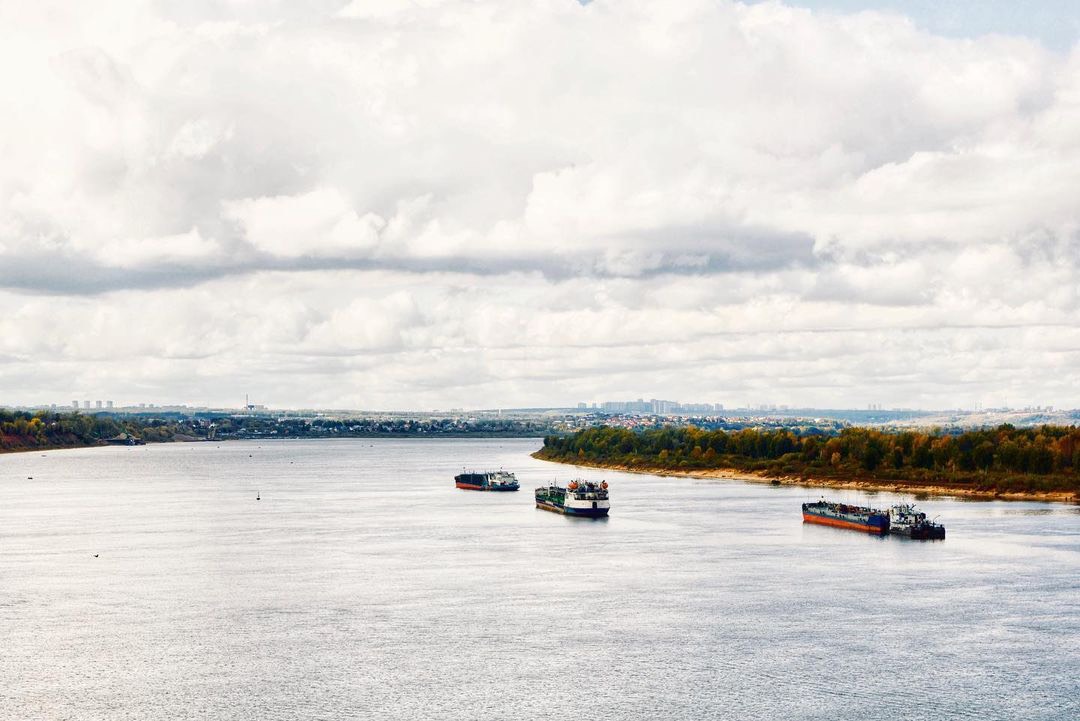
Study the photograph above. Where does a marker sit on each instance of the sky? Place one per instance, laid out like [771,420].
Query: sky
[418,204]
[1055,23]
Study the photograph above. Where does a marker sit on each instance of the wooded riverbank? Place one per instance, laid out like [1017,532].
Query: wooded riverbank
[733,474]
[1004,463]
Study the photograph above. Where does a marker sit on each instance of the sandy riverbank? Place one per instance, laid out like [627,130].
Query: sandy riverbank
[857,485]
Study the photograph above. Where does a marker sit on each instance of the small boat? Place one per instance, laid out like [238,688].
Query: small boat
[843,515]
[905,520]
[489,481]
[579,498]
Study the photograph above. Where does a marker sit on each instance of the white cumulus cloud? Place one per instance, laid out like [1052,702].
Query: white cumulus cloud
[471,202]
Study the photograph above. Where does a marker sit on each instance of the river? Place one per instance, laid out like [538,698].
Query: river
[149,583]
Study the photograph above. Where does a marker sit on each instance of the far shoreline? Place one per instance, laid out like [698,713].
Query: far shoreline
[272,439]
[733,474]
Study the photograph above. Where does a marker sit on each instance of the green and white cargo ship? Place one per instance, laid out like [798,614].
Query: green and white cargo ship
[579,498]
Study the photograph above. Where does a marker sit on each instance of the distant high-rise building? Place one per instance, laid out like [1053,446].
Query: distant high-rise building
[109,405]
[86,405]
[75,405]
[638,406]
[98,405]
[659,406]
[662,407]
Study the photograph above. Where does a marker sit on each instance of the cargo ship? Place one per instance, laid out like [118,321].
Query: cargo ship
[842,515]
[489,481]
[579,498]
[904,520]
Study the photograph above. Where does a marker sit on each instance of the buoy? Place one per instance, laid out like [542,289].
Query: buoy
[257,496]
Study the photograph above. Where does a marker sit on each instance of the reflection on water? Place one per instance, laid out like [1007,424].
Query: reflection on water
[363,584]
[1058,510]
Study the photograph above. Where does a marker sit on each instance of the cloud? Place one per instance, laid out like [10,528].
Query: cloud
[462,203]
[317,223]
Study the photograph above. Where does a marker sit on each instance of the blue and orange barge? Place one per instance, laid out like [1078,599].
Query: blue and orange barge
[843,515]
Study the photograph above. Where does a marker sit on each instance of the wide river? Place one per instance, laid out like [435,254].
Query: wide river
[149,583]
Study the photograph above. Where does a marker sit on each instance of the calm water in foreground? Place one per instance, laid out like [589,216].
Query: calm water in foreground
[363,585]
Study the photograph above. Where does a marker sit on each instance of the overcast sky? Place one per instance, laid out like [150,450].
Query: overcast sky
[437,203]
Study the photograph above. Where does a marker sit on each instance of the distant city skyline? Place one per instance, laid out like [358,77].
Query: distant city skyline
[469,204]
[652,406]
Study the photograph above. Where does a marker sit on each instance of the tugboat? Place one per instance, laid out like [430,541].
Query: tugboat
[579,498]
[489,481]
[906,521]
[842,515]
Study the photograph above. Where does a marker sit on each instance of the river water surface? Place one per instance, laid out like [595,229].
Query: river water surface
[364,585]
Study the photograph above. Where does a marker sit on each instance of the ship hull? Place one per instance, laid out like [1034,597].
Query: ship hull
[844,523]
[474,487]
[578,512]
[920,534]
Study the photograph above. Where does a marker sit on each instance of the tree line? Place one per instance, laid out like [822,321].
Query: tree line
[1003,458]
[21,430]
